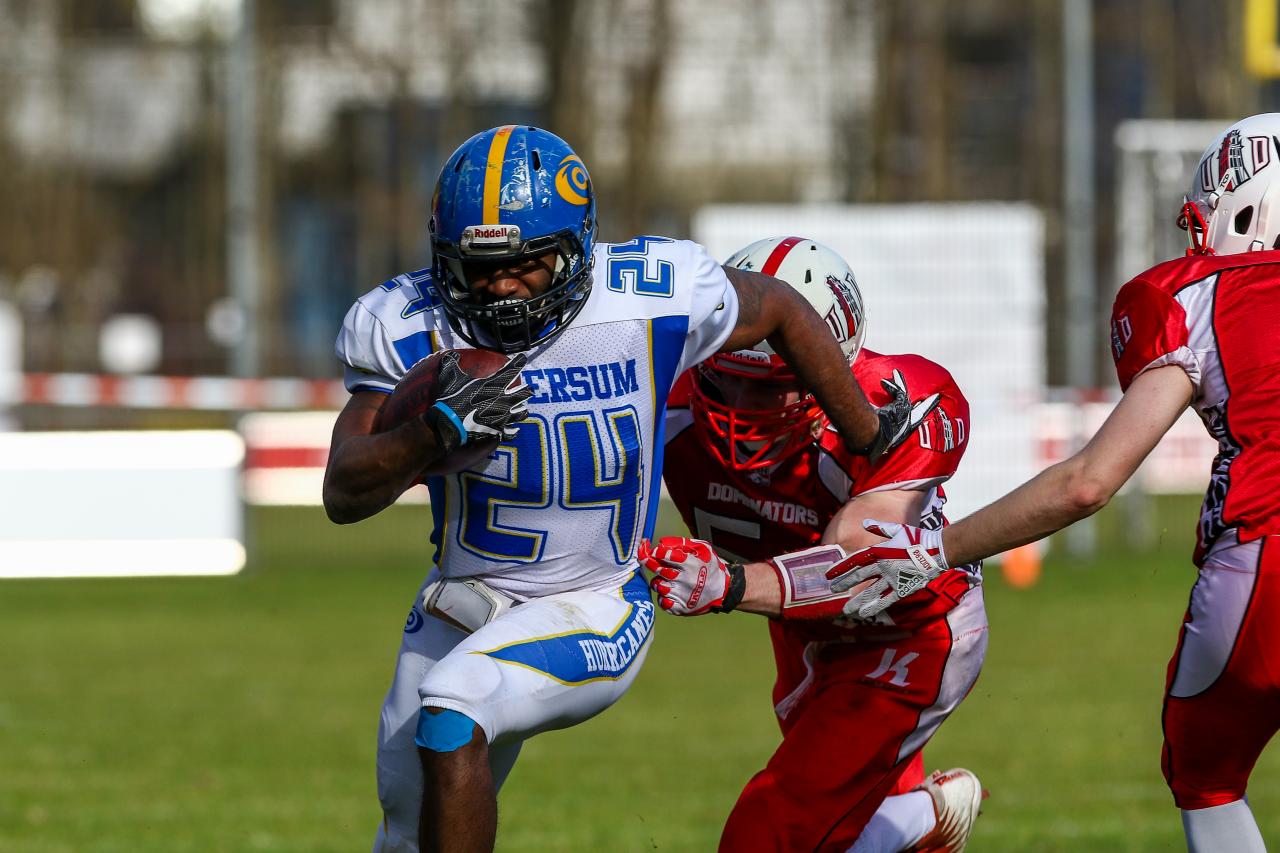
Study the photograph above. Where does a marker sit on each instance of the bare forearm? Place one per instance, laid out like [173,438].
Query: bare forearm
[762,595]
[770,309]
[369,472]
[1056,498]
[1080,486]
[806,344]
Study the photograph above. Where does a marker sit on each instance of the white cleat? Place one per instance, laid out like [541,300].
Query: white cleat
[957,799]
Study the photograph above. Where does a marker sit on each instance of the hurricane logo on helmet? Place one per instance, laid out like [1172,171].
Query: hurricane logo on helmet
[572,180]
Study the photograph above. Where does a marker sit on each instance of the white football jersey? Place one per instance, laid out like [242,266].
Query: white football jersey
[563,504]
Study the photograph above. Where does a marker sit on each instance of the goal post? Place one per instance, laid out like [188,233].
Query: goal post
[1261,38]
[1156,158]
[1155,161]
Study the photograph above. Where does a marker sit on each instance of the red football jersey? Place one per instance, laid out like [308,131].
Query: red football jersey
[1216,317]
[756,515]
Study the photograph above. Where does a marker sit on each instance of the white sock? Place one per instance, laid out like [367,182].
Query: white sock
[1230,827]
[899,822]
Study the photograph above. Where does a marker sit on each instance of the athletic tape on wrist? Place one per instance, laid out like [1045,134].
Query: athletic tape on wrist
[942,552]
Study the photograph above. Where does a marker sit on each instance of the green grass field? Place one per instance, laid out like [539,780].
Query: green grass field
[239,714]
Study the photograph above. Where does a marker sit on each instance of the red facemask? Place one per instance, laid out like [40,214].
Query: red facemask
[751,439]
[1193,223]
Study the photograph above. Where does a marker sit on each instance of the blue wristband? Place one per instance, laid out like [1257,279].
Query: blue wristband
[453,419]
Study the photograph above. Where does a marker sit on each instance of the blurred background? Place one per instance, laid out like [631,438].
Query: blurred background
[126,144]
[192,193]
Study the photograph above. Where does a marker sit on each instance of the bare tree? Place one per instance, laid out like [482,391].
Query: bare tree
[560,27]
[645,78]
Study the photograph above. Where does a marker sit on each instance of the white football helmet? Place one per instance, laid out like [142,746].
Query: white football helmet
[753,439]
[820,275]
[1231,207]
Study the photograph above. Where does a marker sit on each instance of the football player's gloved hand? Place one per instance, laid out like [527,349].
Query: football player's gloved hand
[903,564]
[689,578]
[470,409]
[899,417]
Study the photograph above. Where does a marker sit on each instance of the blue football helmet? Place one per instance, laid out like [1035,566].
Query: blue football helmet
[506,194]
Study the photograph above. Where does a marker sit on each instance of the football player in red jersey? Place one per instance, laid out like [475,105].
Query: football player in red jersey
[756,471]
[1200,331]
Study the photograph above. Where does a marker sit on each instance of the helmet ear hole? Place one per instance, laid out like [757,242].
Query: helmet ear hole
[1243,219]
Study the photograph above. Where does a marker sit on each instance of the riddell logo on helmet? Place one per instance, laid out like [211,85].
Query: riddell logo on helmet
[490,234]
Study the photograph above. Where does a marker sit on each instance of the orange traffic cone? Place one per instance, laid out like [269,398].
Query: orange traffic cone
[1021,566]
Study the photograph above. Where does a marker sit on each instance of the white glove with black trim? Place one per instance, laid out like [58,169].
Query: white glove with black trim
[899,417]
[470,409]
[904,564]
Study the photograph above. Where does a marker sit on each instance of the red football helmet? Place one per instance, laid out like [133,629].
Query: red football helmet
[779,418]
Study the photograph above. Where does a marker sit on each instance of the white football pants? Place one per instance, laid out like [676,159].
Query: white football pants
[546,664]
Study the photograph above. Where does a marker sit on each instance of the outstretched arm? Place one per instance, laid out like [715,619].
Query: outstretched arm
[769,308]
[1080,486]
[1058,497]
[691,579]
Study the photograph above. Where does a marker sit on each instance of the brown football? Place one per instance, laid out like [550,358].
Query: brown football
[417,391]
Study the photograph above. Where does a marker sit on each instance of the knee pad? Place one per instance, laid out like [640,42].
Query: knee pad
[445,731]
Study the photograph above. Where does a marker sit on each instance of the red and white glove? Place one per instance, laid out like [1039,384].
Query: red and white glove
[903,564]
[689,578]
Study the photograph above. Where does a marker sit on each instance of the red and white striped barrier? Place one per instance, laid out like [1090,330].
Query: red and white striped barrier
[212,393]
[286,451]
[285,456]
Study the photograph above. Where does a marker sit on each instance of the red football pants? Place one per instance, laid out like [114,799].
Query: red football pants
[866,710]
[1222,690]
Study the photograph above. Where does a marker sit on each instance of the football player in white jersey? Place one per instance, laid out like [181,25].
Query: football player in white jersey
[533,616]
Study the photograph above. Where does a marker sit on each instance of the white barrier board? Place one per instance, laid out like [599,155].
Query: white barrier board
[10,362]
[121,504]
[285,458]
[962,284]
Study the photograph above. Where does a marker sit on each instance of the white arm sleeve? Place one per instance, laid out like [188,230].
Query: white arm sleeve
[713,308]
[369,360]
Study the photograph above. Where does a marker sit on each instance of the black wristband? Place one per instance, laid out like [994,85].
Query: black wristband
[737,589]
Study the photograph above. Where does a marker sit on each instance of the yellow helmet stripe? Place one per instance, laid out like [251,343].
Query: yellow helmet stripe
[493,173]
